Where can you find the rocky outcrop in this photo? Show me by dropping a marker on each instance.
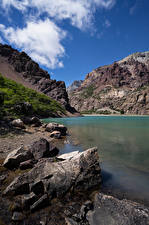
(122, 87)
(110, 211)
(25, 156)
(50, 179)
(21, 68)
(76, 84)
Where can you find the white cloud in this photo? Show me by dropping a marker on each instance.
(41, 40)
(79, 12)
(1, 40)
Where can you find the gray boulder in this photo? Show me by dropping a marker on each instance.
(80, 173)
(17, 156)
(43, 149)
(111, 211)
(56, 127)
(18, 123)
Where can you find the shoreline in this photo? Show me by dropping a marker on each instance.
(115, 115)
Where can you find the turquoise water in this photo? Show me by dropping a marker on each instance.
(123, 145)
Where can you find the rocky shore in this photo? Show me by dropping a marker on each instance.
(41, 186)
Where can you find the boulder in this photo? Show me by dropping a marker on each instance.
(18, 123)
(17, 156)
(80, 173)
(69, 155)
(42, 149)
(109, 210)
(35, 121)
(55, 134)
(56, 127)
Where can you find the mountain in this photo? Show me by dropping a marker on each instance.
(122, 87)
(76, 84)
(19, 67)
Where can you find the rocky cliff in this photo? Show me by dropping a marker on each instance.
(21, 68)
(122, 87)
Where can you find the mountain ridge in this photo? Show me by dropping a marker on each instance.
(121, 86)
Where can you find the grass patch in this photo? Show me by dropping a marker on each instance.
(13, 94)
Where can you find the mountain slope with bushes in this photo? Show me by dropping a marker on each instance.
(17, 100)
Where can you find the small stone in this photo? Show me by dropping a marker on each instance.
(17, 216)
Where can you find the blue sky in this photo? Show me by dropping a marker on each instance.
(70, 38)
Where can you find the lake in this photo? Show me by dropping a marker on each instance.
(123, 145)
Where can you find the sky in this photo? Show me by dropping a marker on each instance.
(70, 38)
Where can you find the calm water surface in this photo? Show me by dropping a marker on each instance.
(123, 145)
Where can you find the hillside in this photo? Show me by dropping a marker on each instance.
(19, 67)
(122, 87)
(17, 100)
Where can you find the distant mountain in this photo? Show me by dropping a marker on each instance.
(19, 67)
(76, 84)
(122, 87)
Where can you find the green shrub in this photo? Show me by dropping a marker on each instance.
(15, 94)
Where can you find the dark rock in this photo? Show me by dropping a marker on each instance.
(56, 127)
(26, 165)
(37, 187)
(41, 203)
(35, 121)
(43, 148)
(29, 200)
(55, 134)
(17, 156)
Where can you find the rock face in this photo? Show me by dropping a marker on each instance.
(76, 84)
(107, 210)
(20, 67)
(48, 180)
(122, 87)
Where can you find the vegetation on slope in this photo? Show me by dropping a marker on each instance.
(13, 96)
